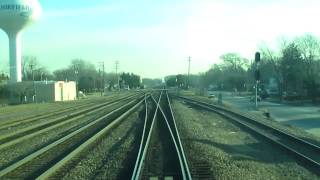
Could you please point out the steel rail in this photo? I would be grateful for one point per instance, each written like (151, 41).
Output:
(134, 174)
(186, 166)
(60, 141)
(175, 144)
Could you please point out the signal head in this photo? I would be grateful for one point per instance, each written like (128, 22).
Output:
(257, 57)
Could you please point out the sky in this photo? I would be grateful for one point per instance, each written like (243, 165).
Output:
(155, 38)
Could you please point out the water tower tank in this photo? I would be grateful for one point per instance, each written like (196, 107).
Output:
(14, 16)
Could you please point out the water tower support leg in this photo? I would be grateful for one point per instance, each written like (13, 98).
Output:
(15, 57)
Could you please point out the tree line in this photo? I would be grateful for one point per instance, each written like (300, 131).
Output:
(88, 77)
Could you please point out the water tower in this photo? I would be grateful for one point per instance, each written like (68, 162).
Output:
(14, 16)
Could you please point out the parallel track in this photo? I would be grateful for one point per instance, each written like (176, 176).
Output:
(55, 113)
(57, 108)
(56, 156)
(18, 136)
(306, 152)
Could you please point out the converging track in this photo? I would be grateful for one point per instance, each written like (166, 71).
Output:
(161, 154)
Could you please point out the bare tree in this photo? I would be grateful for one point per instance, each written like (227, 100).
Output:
(274, 59)
(309, 47)
(33, 70)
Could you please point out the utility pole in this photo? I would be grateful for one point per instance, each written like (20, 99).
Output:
(76, 72)
(103, 80)
(117, 67)
(189, 61)
(32, 74)
(34, 88)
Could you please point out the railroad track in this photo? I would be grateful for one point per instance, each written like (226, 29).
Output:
(17, 148)
(6, 138)
(53, 159)
(306, 153)
(57, 112)
(56, 107)
(161, 154)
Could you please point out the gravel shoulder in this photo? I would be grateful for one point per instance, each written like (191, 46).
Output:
(231, 152)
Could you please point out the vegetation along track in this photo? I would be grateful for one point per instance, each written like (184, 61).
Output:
(161, 154)
(306, 152)
(50, 159)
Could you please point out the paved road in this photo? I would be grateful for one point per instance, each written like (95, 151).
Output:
(306, 117)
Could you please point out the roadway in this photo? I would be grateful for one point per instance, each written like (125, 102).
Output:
(306, 117)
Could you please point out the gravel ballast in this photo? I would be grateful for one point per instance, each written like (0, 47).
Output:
(112, 157)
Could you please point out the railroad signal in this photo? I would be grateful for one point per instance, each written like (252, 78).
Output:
(257, 63)
(257, 75)
(257, 57)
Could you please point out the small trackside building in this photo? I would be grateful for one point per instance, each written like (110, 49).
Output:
(55, 91)
(42, 91)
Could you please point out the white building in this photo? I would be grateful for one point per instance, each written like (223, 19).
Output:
(42, 91)
(55, 91)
